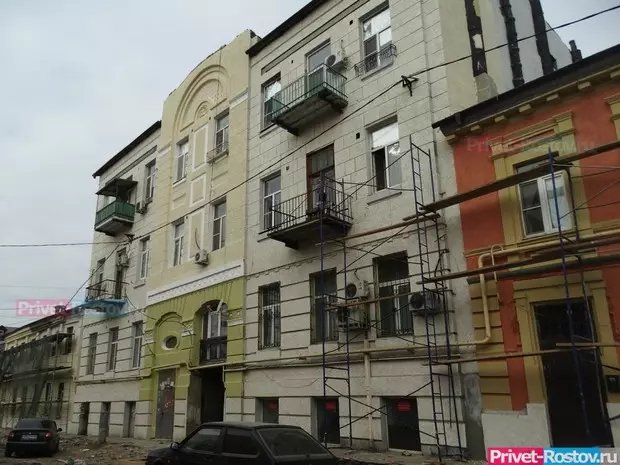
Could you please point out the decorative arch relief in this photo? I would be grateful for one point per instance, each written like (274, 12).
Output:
(201, 99)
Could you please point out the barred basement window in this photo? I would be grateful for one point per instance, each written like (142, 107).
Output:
(269, 316)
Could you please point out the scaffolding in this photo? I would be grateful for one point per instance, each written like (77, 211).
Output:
(27, 375)
(441, 353)
(398, 304)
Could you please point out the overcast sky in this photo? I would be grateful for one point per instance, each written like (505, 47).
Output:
(80, 79)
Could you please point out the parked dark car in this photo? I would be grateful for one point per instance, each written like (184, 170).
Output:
(33, 436)
(232, 443)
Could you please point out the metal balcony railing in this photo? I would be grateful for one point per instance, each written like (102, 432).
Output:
(331, 200)
(106, 289)
(217, 151)
(119, 210)
(213, 349)
(376, 60)
(309, 85)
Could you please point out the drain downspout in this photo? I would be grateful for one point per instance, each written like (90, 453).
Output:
(542, 41)
(513, 44)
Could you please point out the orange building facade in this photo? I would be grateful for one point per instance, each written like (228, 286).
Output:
(546, 303)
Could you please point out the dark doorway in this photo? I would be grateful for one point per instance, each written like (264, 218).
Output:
(566, 417)
(129, 422)
(84, 413)
(403, 424)
(328, 420)
(212, 398)
(164, 422)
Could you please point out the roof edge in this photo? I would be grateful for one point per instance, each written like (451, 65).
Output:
(518, 95)
(288, 24)
(132, 145)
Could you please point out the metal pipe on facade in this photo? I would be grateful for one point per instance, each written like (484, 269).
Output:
(367, 376)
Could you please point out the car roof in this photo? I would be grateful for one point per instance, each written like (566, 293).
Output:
(248, 424)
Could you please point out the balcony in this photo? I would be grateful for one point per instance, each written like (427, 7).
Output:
(106, 289)
(315, 95)
(213, 350)
(115, 217)
(297, 221)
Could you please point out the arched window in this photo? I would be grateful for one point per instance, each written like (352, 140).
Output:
(214, 320)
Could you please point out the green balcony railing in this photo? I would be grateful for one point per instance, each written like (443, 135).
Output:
(323, 80)
(118, 209)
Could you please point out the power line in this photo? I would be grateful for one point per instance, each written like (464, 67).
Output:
(51, 244)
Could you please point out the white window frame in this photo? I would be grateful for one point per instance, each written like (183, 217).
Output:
(391, 166)
(219, 239)
(276, 198)
(149, 181)
(91, 354)
(548, 216)
(272, 308)
(180, 163)
(379, 46)
(145, 258)
(221, 132)
(178, 243)
(267, 92)
(137, 334)
(112, 349)
(221, 315)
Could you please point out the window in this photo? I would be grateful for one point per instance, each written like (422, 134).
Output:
(59, 398)
(69, 341)
(91, 354)
(100, 274)
(145, 255)
(320, 169)
(179, 231)
(181, 161)
(392, 277)
(221, 134)
(270, 409)
(328, 420)
(377, 46)
(317, 58)
(205, 440)
(386, 157)
(269, 316)
(290, 442)
(137, 332)
(271, 201)
(269, 103)
(149, 182)
(316, 69)
(112, 349)
(324, 322)
(219, 225)
(239, 442)
(538, 208)
(214, 322)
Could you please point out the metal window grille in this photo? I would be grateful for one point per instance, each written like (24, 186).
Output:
(269, 316)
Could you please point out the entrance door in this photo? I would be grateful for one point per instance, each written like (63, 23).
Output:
(328, 421)
(130, 419)
(164, 422)
(566, 417)
(212, 399)
(321, 165)
(403, 424)
(84, 413)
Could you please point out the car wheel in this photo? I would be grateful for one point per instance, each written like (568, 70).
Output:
(8, 452)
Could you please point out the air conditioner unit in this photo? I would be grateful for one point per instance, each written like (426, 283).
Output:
(337, 60)
(425, 303)
(122, 260)
(141, 207)
(353, 317)
(201, 258)
(357, 289)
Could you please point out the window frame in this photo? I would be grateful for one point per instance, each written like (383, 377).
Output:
(137, 339)
(388, 165)
(219, 240)
(223, 146)
(332, 299)
(149, 181)
(145, 258)
(112, 349)
(184, 155)
(545, 206)
(379, 64)
(396, 318)
(276, 198)
(177, 252)
(266, 85)
(91, 354)
(275, 309)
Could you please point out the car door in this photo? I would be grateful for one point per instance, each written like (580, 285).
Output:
(201, 447)
(239, 447)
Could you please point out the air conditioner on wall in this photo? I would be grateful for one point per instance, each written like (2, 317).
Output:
(201, 258)
(337, 60)
(357, 289)
(425, 303)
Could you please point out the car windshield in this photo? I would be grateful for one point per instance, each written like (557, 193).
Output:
(289, 441)
(29, 423)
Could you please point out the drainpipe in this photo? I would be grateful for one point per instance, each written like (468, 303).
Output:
(542, 41)
(513, 44)
(367, 374)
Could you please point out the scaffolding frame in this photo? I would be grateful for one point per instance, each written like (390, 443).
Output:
(430, 261)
